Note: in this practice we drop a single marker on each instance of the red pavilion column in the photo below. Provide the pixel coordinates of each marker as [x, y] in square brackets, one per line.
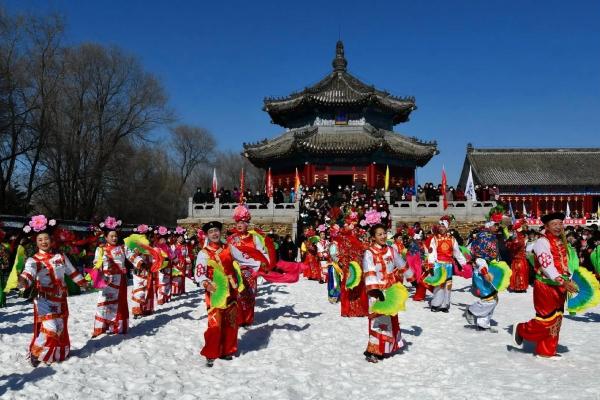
[371, 175]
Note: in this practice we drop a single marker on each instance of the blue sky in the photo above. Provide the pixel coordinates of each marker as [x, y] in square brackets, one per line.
[493, 73]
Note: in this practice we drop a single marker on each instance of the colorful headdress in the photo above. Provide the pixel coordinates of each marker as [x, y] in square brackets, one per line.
[322, 228]
[310, 232]
[241, 213]
[162, 231]
[143, 228]
[372, 217]
[39, 224]
[446, 220]
[518, 225]
[180, 230]
[110, 224]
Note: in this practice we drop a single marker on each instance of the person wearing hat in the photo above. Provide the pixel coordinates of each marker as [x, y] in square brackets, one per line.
[484, 249]
[552, 283]
[220, 337]
[519, 280]
[142, 292]
[112, 310]
[248, 250]
[442, 248]
[46, 272]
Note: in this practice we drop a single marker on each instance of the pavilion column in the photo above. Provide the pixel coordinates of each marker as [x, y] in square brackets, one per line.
[372, 175]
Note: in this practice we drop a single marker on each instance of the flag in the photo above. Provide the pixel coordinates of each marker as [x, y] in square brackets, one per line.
[568, 212]
[214, 183]
[513, 219]
[444, 183]
[297, 185]
[242, 187]
[387, 178]
[524, 210]
[269, 186]
[470, 187]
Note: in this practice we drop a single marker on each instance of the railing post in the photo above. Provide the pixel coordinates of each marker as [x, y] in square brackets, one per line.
[271, 206]
[413, 205]
[217, 208]
[190, 207]
[469, 209]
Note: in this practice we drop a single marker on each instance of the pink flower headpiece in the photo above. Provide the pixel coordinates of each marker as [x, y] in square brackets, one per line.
[372, 217]
[322, 228]
[39, 223]
[162, 231]
[143, 228]
[110, 223]
[241, 213]
[180, 230]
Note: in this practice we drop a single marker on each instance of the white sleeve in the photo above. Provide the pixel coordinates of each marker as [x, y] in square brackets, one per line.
[370, 273]
[432, 257]
[201, 267]
[457, 253]
[541, 249]
[30, 271]
[72, 271]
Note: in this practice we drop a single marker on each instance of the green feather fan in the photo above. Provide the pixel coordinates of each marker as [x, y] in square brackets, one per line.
[218, 299]
[354, 275]
[395, 300]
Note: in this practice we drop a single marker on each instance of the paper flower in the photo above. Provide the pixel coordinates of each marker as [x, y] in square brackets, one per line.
[26, 229]
[180, 230]
[162, 231]
[143, 228]
[111, 223]
[38, 223]
[383, 214]
[372, 217]
[321, 228]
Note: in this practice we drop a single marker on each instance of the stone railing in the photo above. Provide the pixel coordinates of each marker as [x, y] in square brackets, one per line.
[462, 210]
[224, 211]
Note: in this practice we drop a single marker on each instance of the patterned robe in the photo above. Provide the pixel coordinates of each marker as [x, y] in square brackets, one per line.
[46, 272]
[112, 312]
[549, 296]
[519, 280]
[220, 338]
[383, 267]
[142, 293]
[248, 250]
[354, 302]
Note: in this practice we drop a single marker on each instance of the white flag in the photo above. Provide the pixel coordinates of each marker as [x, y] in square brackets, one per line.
[568, 213]
[524, 210]
[470, 188]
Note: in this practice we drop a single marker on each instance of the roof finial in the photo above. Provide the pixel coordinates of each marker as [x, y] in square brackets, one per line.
[339, 62]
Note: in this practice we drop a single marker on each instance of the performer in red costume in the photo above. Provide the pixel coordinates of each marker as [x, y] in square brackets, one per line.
[519, 280]
[46, 272]
[354, 302]
[181, 261]
[112, 311]
[249, 250]
[550, 289]
[220, 338]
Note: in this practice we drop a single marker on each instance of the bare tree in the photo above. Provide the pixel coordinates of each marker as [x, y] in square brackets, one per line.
[106, 99]
[193, 148]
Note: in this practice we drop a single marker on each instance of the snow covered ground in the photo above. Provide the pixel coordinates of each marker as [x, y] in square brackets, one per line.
[300, 348]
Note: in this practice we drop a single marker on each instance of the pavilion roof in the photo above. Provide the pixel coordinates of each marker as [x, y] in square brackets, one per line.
[336, 141]
[338, 89]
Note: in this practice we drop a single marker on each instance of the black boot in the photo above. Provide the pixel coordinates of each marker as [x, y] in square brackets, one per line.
[210, 362]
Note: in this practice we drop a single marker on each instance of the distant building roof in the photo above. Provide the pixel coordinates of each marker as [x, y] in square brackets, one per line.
[533, 167]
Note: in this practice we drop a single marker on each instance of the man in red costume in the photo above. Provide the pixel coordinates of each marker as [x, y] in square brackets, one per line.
[249, 250]
[552, 283]
[220, 338]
